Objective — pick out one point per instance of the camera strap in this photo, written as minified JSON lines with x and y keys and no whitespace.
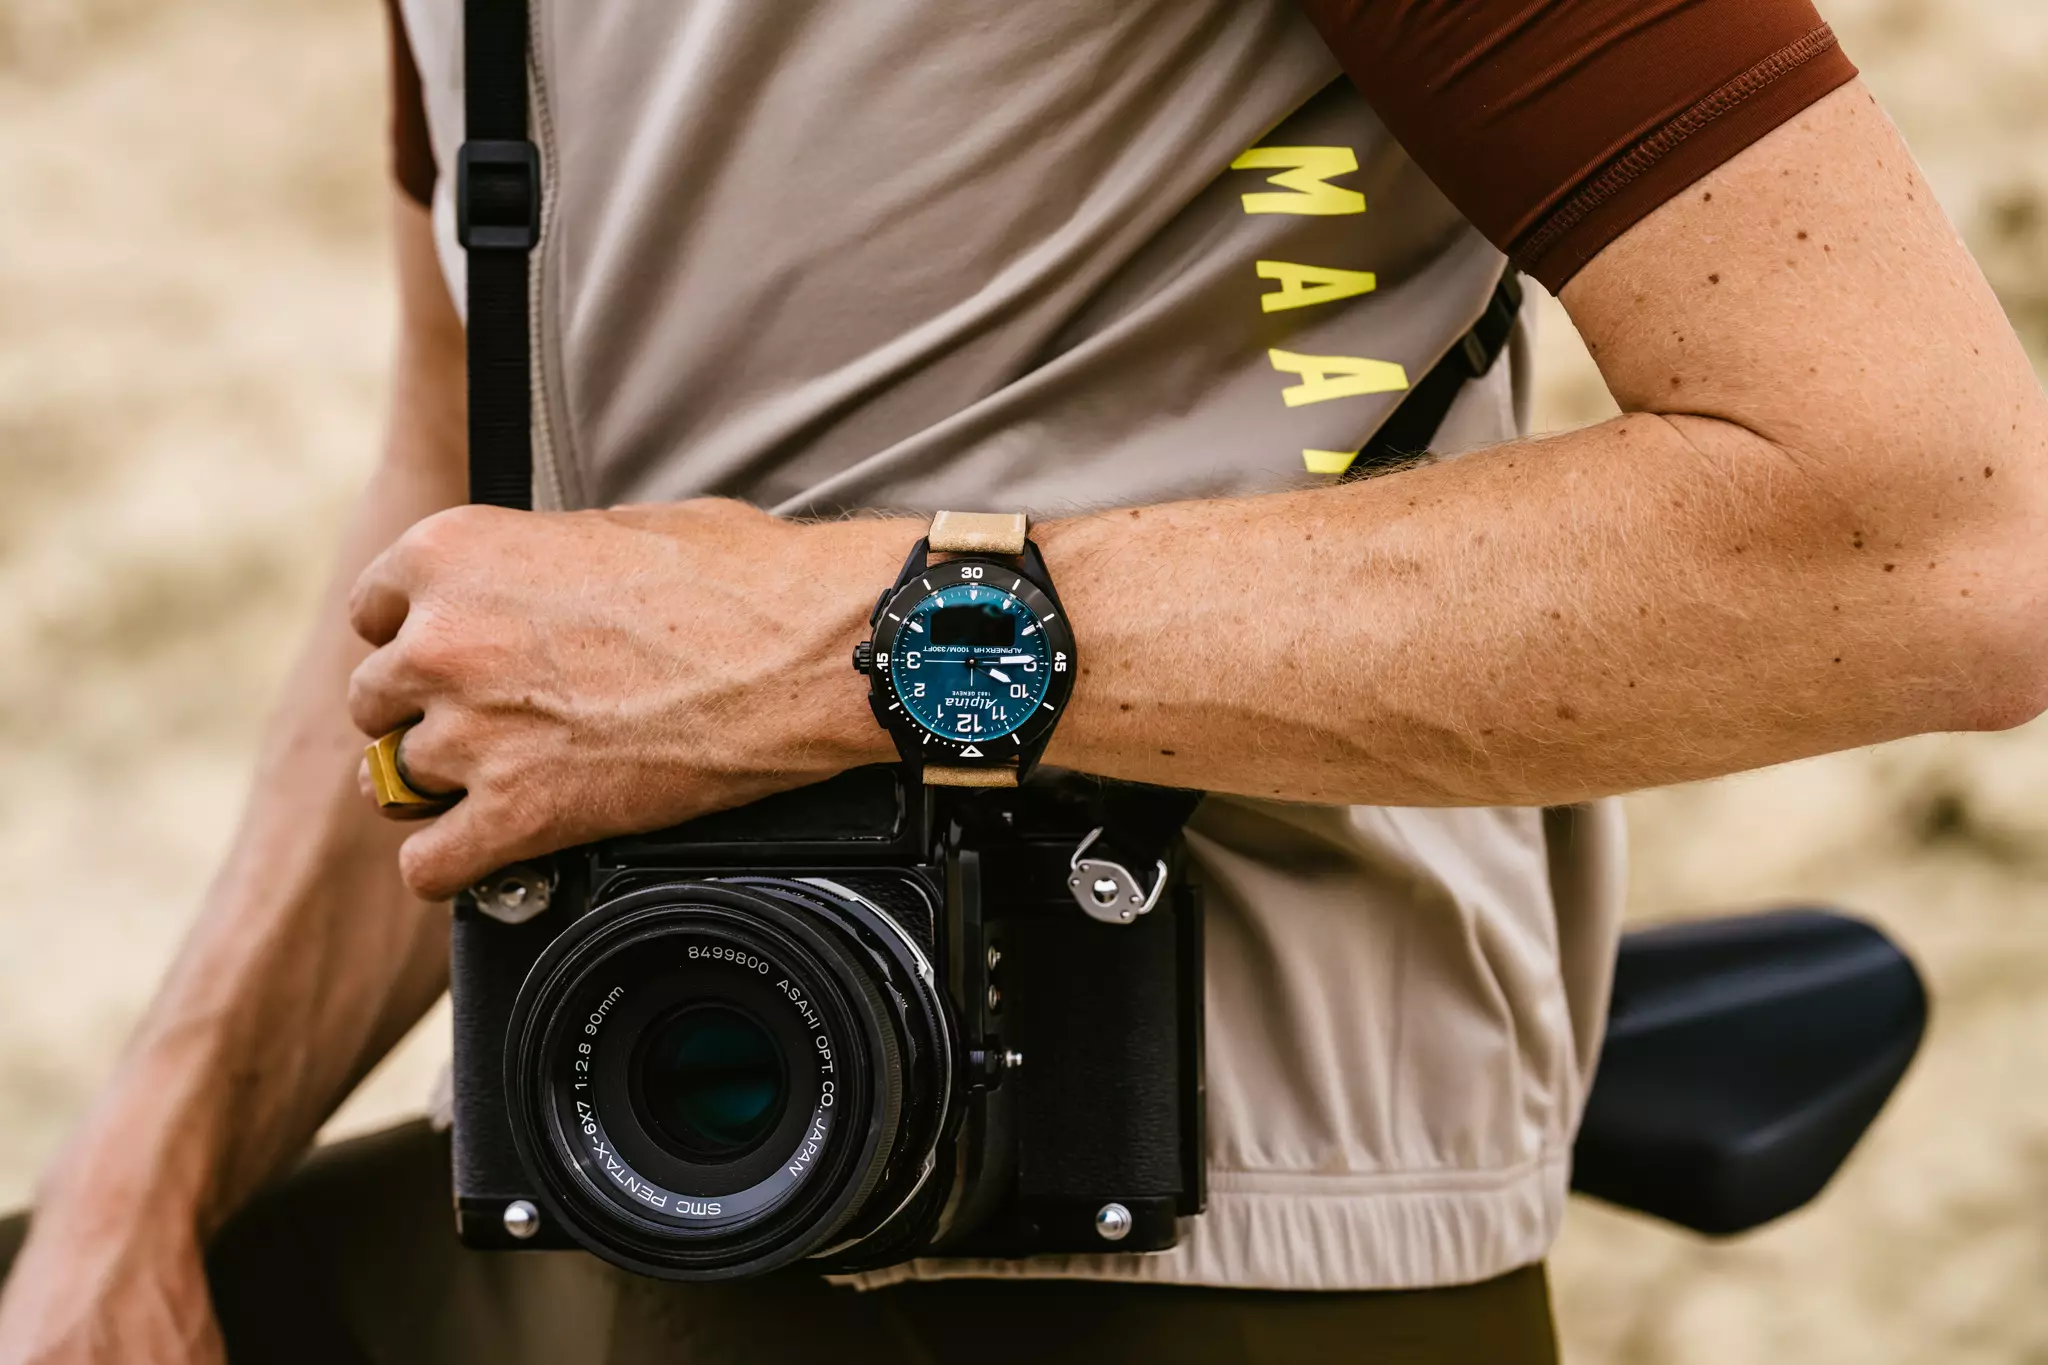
{"x":1411,"y":427}
{"x":497,"y":220}
{"x":1120,"y":869}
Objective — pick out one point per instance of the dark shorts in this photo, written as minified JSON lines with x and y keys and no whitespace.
{"x":353,"y":1259}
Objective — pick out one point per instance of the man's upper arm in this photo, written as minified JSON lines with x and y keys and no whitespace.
{"x":1812,"y":291}
{"x":1555,"y":125}
{"x":1727,"y":216}
{"x":1755,"y":261}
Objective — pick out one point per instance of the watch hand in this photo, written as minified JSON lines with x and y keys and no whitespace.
{"x":998,"y":675}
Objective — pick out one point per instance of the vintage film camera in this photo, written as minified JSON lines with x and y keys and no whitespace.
{"x":851,"y":1024}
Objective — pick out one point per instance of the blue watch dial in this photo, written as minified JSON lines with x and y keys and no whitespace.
{"x":971,"y":662}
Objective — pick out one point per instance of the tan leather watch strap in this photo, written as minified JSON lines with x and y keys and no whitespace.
{"x":975,"y":533}
{"x":978,"y":533}
{"x":937,"y":776}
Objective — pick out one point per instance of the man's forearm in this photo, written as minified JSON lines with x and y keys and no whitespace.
{"x":310,"y":958}
{"x":1639,"y":603}
{"x":1821,"y":528}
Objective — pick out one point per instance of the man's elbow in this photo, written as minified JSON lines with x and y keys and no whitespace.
{"x":2002,"y":660}
{"x":1989,"y":613}
{"x":1966,"y":640}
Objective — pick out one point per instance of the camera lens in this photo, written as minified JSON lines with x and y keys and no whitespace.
{"x":713,"y":1080}
{"x":718,"y":1078}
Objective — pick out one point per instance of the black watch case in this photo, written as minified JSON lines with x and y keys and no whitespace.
{"x":919,"y":579}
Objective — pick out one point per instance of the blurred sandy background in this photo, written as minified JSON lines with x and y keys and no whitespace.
{"x":194,"y":315}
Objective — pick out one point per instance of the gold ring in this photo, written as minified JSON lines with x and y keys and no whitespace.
{"x":387,"y":777}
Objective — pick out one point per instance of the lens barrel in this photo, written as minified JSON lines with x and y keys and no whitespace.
{"x":716,"y":1078}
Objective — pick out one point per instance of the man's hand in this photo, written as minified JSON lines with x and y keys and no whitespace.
{"x":101,"y":1294}
{"x":594,"y":673}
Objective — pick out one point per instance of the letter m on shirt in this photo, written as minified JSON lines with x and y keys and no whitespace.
{"x":1305,"y":174}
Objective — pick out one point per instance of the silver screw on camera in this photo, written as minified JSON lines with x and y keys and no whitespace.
{"x":1113,"y":1222}
{"x":516,"y":894}
{"x":522,"y":1219}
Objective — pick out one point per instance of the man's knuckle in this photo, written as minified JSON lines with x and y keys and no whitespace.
{"x":434,"y":656}
{"x":440,"y":538}
{"x":365,"y":700}
{"x":418,"y":865}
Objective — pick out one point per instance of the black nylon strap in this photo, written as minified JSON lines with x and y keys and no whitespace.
{"x":498,"y":209}
{"x":1408,"y":432}
{"x":1140,"y":823}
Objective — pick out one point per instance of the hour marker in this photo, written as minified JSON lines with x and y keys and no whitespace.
{"x":1018,"y":586}
{"x":1048,"y":706}
{"x":894,"y":617}
{"x":927,"y":584}
{"x":916,"y":627}
{"x":1016,"y":741}
{"x":1049,"y":615}
{"x":1029,"y":630}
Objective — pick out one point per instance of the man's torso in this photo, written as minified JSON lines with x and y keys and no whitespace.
{"x":979,"y":255}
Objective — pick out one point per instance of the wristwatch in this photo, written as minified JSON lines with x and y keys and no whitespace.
{"x":971,"y":661}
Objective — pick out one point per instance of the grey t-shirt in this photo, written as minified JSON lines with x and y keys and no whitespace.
{"x":1062,"y":255}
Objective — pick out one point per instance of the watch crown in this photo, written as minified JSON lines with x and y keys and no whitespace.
{"x":863,"y":657}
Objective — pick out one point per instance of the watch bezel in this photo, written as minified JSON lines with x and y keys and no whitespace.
{"x":938,"y":748}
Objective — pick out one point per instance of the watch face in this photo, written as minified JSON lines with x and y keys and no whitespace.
{"x":975,"y":656}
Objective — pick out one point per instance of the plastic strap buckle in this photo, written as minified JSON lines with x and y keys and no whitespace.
{"x":1488,"y":337}
{"x":1109,"y":891}
{"x":497,"y":196}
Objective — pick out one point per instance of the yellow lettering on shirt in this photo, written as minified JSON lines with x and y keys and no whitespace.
{"x":1304,"y":171}
{"x":1304,"y":286}
{"x":1324,"y":377}
{"x":1328,"y":461}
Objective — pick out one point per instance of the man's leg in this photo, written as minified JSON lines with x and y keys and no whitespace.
{"x":353,"y":1258}
{"x":1054,"y":1322}
{"x":12,"y":1232}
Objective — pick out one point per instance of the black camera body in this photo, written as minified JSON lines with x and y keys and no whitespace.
{"x":848,"y":1025}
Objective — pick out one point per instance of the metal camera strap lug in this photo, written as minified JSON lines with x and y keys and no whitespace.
{"x":1109,"y":891}
{"x":515,"y":894}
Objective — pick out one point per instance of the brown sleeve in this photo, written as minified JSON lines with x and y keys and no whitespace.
{"x":412,"y":153}
{"x":1556,"y":125}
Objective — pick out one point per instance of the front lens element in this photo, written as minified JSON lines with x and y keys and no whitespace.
{"x":718,"y":1078}
{"x":713,"y":1080}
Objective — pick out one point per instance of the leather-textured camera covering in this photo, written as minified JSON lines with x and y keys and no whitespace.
{"x":487,"y":963}
{"x":1095,"y":1015}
